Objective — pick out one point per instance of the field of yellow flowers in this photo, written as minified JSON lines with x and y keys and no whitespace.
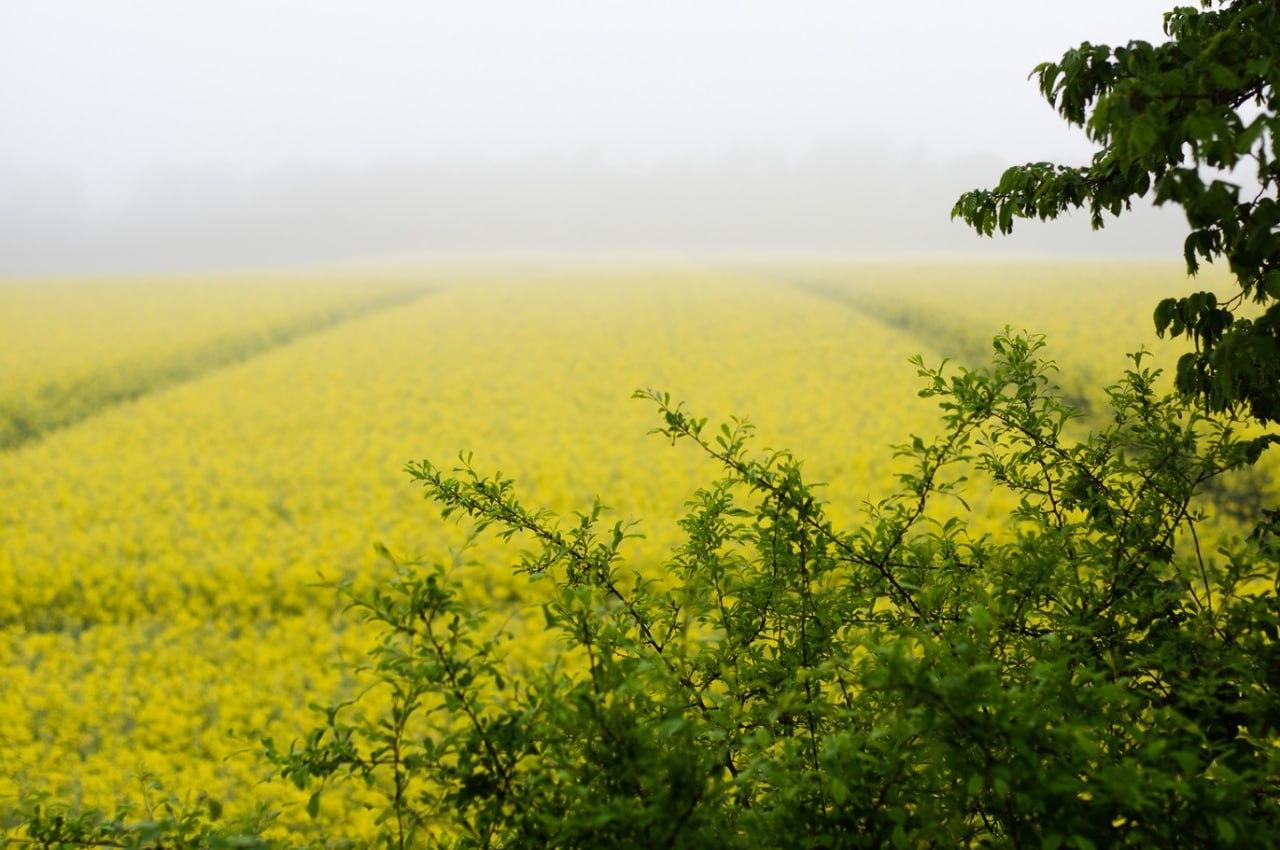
{"x":183,"y":462}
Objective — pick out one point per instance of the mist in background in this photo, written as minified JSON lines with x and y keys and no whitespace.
{"x":184,"y":136}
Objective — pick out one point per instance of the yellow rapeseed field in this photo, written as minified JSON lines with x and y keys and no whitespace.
{"x":161,"y":544}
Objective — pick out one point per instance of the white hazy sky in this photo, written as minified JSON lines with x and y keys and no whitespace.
{"x":100,"y":99}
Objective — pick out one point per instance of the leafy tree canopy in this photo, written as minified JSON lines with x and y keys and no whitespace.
{"x":1179,"y":119}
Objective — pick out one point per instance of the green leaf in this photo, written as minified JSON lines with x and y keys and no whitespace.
{"x":1164,"y":313}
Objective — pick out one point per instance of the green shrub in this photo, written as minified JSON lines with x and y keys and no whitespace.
{"x":1091,"y":678}
{"x":166,"y":822}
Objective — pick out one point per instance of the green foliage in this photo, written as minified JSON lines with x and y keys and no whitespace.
{"x":1091,"y":678}
{"x":1176,"y":119}
{"x":166,"y":824}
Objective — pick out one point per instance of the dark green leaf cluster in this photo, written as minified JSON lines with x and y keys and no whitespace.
{"x":1178,"y":119}
{"x":1090,"y":678}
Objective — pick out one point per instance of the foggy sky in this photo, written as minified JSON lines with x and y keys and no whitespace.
{"x":142,"y":136}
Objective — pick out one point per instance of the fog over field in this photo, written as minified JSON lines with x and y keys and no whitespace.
{"x":156,"y":136}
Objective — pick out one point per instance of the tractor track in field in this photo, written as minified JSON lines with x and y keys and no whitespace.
{"x":22,"y":422}
{"x":1236,"y":497}
{"x":949,"y":339}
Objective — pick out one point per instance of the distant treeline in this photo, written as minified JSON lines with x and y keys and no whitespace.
{"x":860,"y":198}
